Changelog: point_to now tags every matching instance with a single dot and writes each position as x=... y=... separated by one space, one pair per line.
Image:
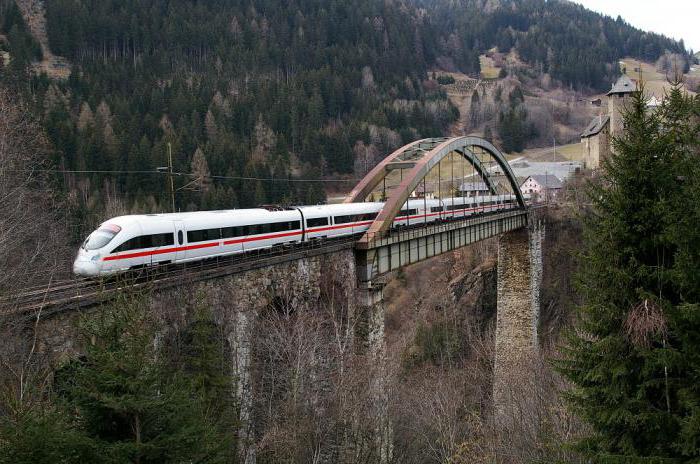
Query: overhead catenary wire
x=180 y=174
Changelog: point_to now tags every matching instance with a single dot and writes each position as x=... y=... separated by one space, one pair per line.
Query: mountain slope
x=574 y=45
x=274 y=91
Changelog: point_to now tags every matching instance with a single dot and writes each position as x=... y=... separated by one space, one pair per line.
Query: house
x=562 y=169
x=425 y=190
x=653 y=103
x=473 y=189
x=545 y=187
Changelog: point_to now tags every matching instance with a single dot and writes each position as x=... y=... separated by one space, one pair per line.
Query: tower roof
x=623 y=85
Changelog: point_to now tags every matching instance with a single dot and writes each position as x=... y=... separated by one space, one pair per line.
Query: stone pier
x=371 y=305
x=516 y=352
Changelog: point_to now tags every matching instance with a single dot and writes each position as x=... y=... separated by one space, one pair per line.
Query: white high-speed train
x=130 y=242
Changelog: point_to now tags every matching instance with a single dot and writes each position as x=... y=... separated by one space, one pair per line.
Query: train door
x=180 y=235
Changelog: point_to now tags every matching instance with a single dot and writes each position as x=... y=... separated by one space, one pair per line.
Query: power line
x=181 y=174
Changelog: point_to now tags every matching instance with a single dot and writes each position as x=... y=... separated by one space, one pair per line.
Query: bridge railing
x=373 y=240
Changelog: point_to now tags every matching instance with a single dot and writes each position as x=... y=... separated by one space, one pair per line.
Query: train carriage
x=129 y=242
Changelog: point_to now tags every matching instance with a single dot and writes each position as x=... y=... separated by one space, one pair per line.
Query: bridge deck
x=382 y=254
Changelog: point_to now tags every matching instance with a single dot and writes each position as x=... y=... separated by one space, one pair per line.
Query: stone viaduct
x=356 y=272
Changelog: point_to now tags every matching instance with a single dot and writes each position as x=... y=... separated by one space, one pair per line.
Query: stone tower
x=596 y=140
x=618 y=97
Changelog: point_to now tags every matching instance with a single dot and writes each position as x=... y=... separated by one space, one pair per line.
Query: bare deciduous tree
x=33 y=239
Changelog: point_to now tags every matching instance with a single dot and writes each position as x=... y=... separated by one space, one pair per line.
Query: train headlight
x=95 y=258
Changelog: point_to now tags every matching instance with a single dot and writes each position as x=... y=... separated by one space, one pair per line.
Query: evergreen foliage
x=20 y=44
x=278 y=90
x=513 y=126
x=132 y=398
x=574 y=45
x=45 y=435
x=260 y=90
x=633 y=359
x=445 y=79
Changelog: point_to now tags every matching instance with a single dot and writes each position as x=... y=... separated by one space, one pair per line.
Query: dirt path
x=458 y=128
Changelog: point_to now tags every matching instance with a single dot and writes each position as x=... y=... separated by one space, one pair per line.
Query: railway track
x=78 y=293
x=83 y=292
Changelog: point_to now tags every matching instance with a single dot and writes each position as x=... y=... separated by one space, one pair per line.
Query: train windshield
x=101 y=237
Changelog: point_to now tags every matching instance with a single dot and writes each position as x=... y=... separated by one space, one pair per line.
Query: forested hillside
x=577 y=46
x=260 y=90
x=264 y=93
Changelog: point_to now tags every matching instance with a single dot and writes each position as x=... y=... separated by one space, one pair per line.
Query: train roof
x=252 y=213
x=340 y=208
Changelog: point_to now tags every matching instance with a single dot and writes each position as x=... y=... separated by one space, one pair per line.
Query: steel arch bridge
x=419 y=158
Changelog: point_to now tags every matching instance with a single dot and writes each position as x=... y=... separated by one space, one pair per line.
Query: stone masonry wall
x=236 y=301
x=519 y=279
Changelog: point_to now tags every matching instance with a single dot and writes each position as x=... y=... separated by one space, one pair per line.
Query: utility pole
x=172 y=184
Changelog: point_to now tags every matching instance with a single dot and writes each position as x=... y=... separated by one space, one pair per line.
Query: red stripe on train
x=342 y=226
x=160 y=252
x=263 y=237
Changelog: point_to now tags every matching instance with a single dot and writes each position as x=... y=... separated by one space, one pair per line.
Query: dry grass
x=488 y=67
x=570 y=152
x=655 y=83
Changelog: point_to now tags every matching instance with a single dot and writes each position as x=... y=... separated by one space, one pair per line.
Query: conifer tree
x=633 y=357
x=131 y=403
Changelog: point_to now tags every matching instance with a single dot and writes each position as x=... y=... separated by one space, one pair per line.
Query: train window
x=203 y=235
x=367 y=217
x=146 y=241
x=101 y=237
x=284 y=226
x=131 y=244
x=316 y=222
x=179 y=237
x=258 y=229
x=408 y=212
x=231 y=232
x=158 y=240
x=436 y=209
x=344 y=219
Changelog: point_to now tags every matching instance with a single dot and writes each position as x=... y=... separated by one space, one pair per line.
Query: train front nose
x=85 y=266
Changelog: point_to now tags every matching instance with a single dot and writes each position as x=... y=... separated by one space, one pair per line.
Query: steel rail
x=85 y=292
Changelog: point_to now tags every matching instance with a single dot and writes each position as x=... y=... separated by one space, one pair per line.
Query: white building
x=543 y=188
x=473 y=189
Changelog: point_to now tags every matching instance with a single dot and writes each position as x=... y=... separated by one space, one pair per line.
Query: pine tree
x=44 y=434
x=130 y=402
x=633 y=359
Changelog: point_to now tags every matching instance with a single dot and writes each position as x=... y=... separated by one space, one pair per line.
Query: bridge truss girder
x=420 y=157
